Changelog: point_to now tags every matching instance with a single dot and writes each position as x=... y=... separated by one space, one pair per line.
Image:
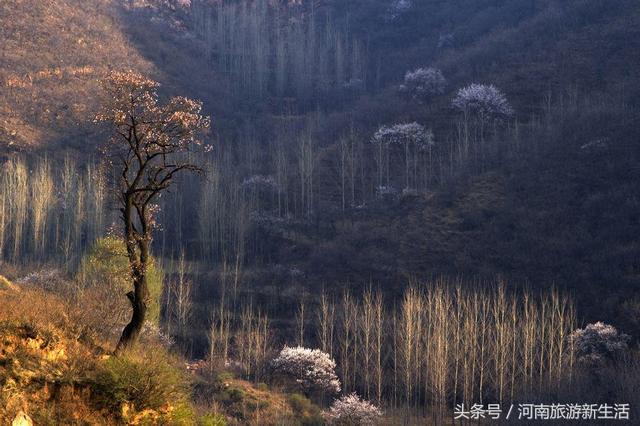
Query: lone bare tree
x=150 y=145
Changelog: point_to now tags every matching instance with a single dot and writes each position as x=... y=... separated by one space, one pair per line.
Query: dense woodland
x=435 y=193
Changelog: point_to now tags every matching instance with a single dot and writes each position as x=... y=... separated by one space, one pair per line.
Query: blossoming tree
x=353 y=411
x=311 y=369
x=486 y=101
x=423 y=83
x=480 y=105
x=413 y=137
x=147 y=150
x=598 y=342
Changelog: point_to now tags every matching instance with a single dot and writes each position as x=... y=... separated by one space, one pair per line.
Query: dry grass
x=43 y=359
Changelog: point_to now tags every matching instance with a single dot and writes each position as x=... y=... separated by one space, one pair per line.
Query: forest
x=307 y=212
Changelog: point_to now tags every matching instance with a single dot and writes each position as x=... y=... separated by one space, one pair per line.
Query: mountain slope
x=52 y=56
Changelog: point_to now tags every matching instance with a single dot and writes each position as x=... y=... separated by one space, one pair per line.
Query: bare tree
x=148 y=149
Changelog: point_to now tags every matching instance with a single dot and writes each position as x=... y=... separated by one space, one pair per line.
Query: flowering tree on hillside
x=598 y=342
x=423 y=83
x=480 y=105
x=353 y=411
x=147 y=150
x=413 y=137
x=486 y=101
x=311 y=369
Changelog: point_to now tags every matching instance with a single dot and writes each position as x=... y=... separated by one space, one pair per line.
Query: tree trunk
x=138 y=303
x=138 y=260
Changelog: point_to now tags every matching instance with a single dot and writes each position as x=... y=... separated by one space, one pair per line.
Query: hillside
x=53 y=54
x=56 y=369
x=528 y=213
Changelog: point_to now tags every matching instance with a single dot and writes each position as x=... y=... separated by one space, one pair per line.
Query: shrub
x=182 y=415
x=351 y=410
x=310 y=369
x=305 y=411
x=212 y=419
x=148 y=382
x=299 y=403
x=106 y=267
x=236 y=394
x=597 y=343
x=225 y=376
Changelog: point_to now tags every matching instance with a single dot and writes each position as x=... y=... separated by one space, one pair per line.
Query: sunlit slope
x=51 y=54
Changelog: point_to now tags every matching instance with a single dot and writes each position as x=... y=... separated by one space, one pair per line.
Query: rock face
x=22 y=419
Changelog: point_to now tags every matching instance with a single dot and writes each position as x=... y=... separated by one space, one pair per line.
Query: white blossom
x=311 y=369
x=353 y=411
x=423 y=83
x=598 y=342
x=404 y=133
x=486 y=101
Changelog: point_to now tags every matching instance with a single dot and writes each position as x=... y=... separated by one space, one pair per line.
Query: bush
x=350 y=410
x=299 y=403
x=212 y=419
x=182 y=415
x=148 y=382
x=310 y=369
x=305 y=411
x=106 y=267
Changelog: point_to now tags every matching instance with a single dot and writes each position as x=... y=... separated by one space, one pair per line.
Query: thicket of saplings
x=442 y=343
x=279 y=50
